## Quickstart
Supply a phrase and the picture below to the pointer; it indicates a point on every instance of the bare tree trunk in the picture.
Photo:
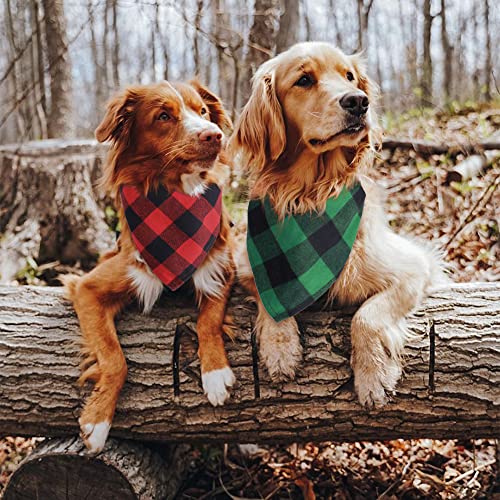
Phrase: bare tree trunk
(196, 36)
(488, 68)
(100, 86)
(236, 86)
(458, 63)
(37, 84)
(412, 56)
(307, 21)
(333, 13)
(379, 52)
(447, 54)
(162, 37)
(364, 8)
(116, 46)
(185, 51)
(426, 80)
(478, 48)
(105, 44)
(451, 387)
(40, 60)
(165, 47)
(153, 52)
(60, 122)
(260, 41)
(11, 30)
(289, 25)
(223, 38)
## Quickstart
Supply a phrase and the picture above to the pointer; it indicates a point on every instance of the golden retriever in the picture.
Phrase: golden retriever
(307, 131)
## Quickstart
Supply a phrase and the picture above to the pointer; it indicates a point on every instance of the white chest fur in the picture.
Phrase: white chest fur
(148, 287)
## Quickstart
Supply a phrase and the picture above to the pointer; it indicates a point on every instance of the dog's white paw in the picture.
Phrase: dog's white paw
(94, 435)
(280, 348)
(376, 383)
(216, 383)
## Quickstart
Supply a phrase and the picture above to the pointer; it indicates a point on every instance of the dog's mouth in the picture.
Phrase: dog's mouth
(351, 130)
(204, 158)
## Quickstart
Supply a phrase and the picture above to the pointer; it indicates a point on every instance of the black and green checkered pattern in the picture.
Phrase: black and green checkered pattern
(296, 260)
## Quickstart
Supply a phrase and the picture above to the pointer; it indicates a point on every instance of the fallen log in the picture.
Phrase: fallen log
(451, 388)
(471, 167)
(428, 148)
(61, 468)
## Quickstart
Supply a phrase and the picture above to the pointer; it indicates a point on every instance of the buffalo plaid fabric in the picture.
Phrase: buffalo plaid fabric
(296, 260)
(173, 232)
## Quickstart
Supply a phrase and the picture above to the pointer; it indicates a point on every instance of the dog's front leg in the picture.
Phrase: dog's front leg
(216, 374)
(279, 344)
(97, 297)
(378, 335)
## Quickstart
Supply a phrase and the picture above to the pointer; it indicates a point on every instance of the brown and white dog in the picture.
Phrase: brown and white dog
(306, 132)
(170, 134)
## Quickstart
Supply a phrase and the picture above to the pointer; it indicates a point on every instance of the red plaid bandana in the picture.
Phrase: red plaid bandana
(173, 232)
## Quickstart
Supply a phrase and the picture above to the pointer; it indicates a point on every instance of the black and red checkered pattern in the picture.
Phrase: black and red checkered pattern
(173, 232)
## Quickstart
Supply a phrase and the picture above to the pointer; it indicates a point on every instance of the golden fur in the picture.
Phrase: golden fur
(300, 146)
(279, 120)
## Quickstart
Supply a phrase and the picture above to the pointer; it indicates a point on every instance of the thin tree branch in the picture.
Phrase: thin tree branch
(30, 89)
(482, 200)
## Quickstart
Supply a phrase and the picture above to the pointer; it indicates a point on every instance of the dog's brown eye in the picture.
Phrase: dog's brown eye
(203, 111)
(349, 76)
(304, 81)
(164, 116)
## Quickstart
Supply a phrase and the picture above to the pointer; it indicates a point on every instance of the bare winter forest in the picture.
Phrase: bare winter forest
(60, 61)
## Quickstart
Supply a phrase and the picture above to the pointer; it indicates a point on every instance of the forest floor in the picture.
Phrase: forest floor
(461, 218)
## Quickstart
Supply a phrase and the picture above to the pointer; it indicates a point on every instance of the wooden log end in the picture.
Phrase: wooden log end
(62, 468)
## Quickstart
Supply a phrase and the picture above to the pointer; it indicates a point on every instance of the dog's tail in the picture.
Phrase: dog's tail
(69, 281)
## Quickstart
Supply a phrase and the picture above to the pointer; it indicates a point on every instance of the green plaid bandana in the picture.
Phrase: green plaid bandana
(296, 260)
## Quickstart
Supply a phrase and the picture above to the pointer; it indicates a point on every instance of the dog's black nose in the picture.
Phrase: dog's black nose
(355, 103)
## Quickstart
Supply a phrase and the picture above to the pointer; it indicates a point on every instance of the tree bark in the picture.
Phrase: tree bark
(49, 206)
(61, 468)
(164, 40)
(40, 59)
(364, 8)
(196, 36)
(488, 67)
(15, 76)
(116, 46)
(260, 42)
(100, 85)
(60, 123)
(447, 54)
(288, 32)
(105, 44)
(334, 14)
(451, 388)
(37, 82)
(426, 80)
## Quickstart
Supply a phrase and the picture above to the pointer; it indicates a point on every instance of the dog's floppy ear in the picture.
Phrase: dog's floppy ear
(260, 129)
(218, 114)
(117, 121)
